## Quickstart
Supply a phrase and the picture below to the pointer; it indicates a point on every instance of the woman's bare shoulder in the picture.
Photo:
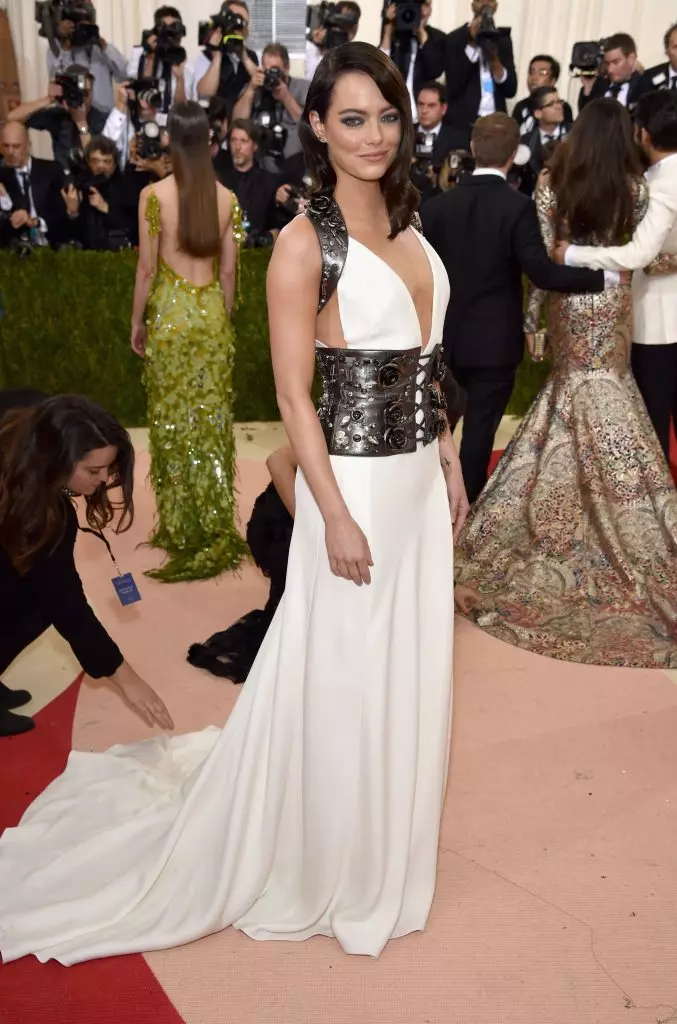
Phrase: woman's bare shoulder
(299, 241)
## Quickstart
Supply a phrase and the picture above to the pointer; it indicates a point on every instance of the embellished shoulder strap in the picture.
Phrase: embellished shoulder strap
(327, 219)
(153, 214)
(416, 222)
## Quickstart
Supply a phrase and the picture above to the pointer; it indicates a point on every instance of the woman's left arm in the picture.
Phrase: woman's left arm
(148, 246)
(453, 474)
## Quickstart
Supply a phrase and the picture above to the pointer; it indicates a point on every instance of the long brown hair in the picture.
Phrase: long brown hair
(199, 233)
(593, 172)
(39, 449)
(400, 195)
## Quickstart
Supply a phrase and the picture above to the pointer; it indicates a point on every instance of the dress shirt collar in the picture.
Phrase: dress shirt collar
(489, 170)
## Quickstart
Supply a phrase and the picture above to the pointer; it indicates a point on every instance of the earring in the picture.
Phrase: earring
(320, 138)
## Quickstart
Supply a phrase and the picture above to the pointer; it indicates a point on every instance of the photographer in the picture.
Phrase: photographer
(480, 70)
(291, 196)
(78, 41)
(219, 70)
(254, 187)
(32, 209)
(94, 199)
(338, 24)
(550, 127)
(433, 140)
(136, 104)
(274, 101)
(217, 113)
(416, 48)
(543, 71)
(66, 113)
(162, 57)
(621, 80)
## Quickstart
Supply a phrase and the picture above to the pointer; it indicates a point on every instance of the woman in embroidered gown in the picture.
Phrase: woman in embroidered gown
(571, 550)
(188, 228)
(316, 810)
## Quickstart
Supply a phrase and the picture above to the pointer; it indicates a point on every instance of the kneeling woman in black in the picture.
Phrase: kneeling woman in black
(51, 452)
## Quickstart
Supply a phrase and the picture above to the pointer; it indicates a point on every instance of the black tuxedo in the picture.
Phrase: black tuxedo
(523, 114)
(429, 59)
(464, 91)
(655, 79)
(487, 235)
(46, 183)
(602, 86)
(535, 144)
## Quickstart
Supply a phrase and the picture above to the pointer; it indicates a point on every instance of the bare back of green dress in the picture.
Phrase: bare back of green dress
(188, 377)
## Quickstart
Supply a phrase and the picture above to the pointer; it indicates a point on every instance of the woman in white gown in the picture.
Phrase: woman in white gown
(316, 810)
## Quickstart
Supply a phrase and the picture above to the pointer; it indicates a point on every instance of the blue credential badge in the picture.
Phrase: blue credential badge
(126, 589)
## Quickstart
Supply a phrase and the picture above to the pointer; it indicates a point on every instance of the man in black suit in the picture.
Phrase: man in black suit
(662, 76)
(544, 71)
(550, 125)
(621, 80)
(488, 237)
(33, 204)
(480, 72)
(419, 54)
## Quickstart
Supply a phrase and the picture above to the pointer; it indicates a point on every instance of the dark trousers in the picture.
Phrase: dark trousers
(488, 391)
(18, 633)
(655, 370)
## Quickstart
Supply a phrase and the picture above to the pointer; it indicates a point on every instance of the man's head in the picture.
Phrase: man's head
(431, 104)
(102, 157)
(242, 144)
(275, 55)
(86, 12)
(15, 144)
(670, 44)
(348, 7)
(543, 70)
(495, 140)
(240, 8)
(547, 107)
(479, 5)
(167, 16)
(656, 124)
(620, 57)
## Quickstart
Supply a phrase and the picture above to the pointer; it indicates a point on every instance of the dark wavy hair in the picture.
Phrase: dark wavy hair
(594, 174)
(39, 449)
(400, 195)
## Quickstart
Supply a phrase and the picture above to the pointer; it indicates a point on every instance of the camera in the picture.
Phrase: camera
(424, 144)
(146, 90)
(232, 25)
(167, 48)
(337, 26)
(272, 136)
(408, 16)
(49, 14)
(73, 89)
(586, 58)
(272, 77)
(149, 141)
(488, 33)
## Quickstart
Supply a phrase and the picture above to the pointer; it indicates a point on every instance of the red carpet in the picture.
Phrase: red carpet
(121, 989)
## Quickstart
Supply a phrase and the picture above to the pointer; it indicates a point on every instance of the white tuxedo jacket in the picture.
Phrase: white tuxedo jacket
(654, 297)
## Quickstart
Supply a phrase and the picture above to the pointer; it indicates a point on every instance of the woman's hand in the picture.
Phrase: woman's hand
(139, 339)
(458, 499)
(141, 697)
(348, 550)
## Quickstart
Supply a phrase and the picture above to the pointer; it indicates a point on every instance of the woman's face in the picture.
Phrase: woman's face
(362, 130)
(92, 471)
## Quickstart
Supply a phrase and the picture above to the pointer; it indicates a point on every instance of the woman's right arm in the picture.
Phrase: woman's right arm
(293, 289)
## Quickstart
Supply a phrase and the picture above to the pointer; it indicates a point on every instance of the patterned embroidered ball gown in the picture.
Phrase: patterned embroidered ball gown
(571, 549)
(316, 809)
(188, 375)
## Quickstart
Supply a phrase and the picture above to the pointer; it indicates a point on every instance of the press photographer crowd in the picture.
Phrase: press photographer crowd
(106, 113)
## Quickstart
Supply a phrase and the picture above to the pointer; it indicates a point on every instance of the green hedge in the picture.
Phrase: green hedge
(64, 326)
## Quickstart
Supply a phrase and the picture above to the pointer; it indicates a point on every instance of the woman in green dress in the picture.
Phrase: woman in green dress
(189, 228)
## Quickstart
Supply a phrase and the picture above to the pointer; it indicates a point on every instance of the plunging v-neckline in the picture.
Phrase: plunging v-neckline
(424, 348)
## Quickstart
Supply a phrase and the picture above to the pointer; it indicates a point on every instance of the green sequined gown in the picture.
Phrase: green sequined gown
(188, 377)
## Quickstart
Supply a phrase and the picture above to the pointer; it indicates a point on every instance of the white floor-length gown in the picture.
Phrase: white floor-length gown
(316, 810)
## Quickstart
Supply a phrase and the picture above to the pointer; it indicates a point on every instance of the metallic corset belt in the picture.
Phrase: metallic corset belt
(379, 402)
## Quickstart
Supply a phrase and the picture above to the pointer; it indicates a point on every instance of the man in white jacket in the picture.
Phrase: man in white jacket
(653, 254)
